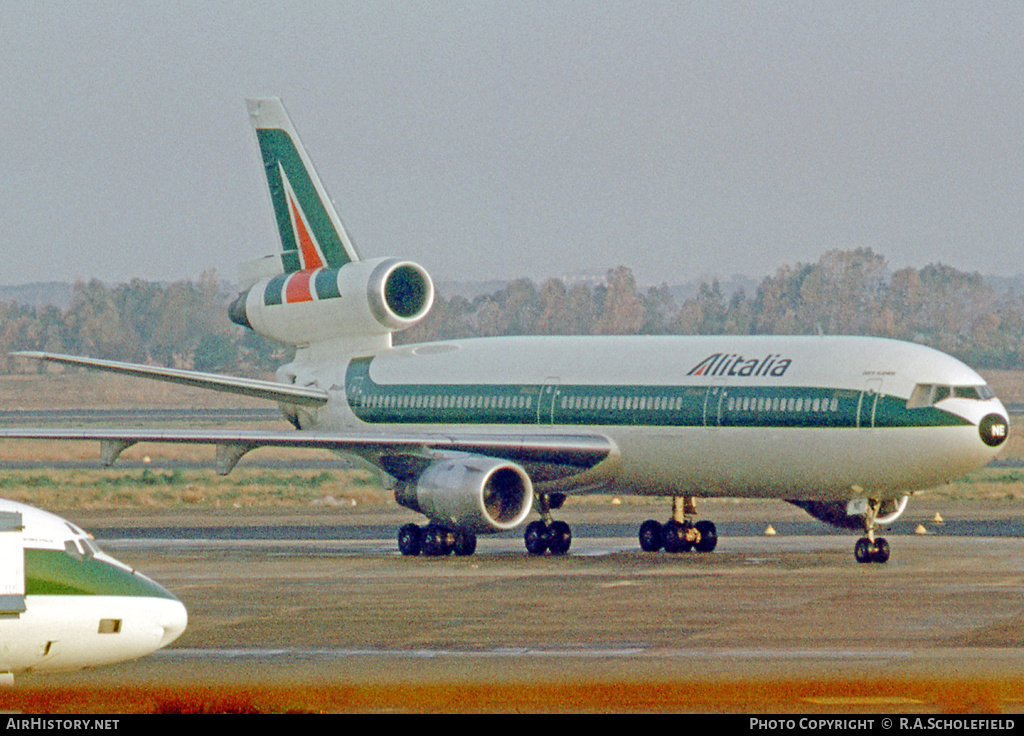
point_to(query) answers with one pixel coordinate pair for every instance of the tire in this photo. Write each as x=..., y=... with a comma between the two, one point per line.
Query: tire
x=559, y=538
x=862, y=550
x=434, y=541
x=536, y=538
x=673, y=537
x=708, y=537
x=465, y=544
x=410, y=540
x=881, y=552
x=650, y=536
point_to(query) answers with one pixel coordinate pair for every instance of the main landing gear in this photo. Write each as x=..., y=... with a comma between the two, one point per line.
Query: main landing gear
x=548, y=535
x=679, y=534
x=434, y=540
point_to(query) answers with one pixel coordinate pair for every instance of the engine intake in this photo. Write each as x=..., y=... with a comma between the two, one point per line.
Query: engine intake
x=471, y=493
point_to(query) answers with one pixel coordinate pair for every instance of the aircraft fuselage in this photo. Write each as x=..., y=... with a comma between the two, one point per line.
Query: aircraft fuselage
x=826, y=418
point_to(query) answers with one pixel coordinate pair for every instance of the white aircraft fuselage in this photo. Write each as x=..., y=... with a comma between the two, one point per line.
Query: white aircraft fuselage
x=68, y=605
x=823, y=418
x=476, y=434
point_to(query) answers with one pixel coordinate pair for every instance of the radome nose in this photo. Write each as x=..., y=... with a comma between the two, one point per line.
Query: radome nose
x=994, y=429
x=173, y=622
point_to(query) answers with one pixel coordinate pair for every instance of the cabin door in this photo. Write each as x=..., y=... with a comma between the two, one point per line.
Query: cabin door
x=547, y=400
x=868, y=402
x=714, y=403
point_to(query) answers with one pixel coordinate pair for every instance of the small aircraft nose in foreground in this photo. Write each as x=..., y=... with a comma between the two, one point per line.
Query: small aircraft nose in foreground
x=67, y=605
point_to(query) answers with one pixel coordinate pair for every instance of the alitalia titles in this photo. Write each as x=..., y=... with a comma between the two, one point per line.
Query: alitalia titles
x=733, y=364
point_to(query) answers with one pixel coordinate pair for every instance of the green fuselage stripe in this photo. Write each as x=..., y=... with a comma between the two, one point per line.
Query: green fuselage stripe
x=561, y=404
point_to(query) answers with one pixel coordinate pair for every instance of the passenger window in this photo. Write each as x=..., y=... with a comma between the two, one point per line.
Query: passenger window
x=940, y=393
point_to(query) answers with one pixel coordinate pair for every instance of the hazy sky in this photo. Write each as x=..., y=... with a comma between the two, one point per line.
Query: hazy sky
x=502, y=139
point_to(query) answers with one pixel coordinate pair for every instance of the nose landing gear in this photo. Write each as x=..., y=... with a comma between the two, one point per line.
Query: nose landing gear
x=870, y=548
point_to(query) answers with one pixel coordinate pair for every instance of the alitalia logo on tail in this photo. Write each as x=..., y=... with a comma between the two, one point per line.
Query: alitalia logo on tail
x=311, y=235
x=311, y=256
x=733, y=364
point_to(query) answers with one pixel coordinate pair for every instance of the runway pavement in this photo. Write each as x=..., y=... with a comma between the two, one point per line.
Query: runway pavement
x=763, y=623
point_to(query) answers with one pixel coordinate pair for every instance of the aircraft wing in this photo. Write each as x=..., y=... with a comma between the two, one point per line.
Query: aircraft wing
x=301, y=395
x=402, y=455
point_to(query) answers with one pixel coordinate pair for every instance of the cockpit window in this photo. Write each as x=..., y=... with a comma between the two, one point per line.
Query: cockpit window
x=89, y=548
x=79, y=548
x=929, y=394
x=72, y=549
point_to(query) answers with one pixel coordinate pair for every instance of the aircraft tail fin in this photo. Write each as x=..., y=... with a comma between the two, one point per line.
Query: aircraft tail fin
x=312, y=235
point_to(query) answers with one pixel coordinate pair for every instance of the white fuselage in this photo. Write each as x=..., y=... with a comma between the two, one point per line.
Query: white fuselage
x=67, y=604
x=64, y=632
x=782, y=417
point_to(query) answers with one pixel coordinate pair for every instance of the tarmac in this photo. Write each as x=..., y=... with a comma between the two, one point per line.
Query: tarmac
x=784, y=623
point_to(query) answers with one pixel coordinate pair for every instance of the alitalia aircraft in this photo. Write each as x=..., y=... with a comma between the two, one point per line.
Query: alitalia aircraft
x=478, y=434
x=65, y=604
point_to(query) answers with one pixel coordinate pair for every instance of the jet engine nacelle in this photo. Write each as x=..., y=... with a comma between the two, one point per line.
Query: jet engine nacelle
x=840, y=514
x=361, y=298
x=471, y=493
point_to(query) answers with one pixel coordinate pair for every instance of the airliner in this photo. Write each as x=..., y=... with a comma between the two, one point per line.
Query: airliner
x=65, y=604
x=479, y=434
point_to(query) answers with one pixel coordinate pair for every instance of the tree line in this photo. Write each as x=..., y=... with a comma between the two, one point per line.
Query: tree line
x=851, y=292
x=182, y=324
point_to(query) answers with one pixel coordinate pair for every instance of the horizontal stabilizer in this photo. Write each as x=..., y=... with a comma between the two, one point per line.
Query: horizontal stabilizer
x=300, y=395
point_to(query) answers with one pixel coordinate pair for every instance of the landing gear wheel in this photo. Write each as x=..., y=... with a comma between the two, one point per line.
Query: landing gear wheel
x=410, y=540
x=436, y=541
x=675, y=537
x=708, y=537
x=536, y=537
x=862, y=550
x=867, y=551
x=870, y=548
x=559, y=538
x=881, y=555
x=650, y=536
x=465, y=544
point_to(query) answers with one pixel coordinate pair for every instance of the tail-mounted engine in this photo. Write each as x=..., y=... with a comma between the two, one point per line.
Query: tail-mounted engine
x=471, y=493
x=361, y=298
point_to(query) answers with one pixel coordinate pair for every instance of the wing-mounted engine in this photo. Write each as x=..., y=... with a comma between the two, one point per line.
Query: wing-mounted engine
x=360, y=299
x=471, y=493
x=852, y=514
